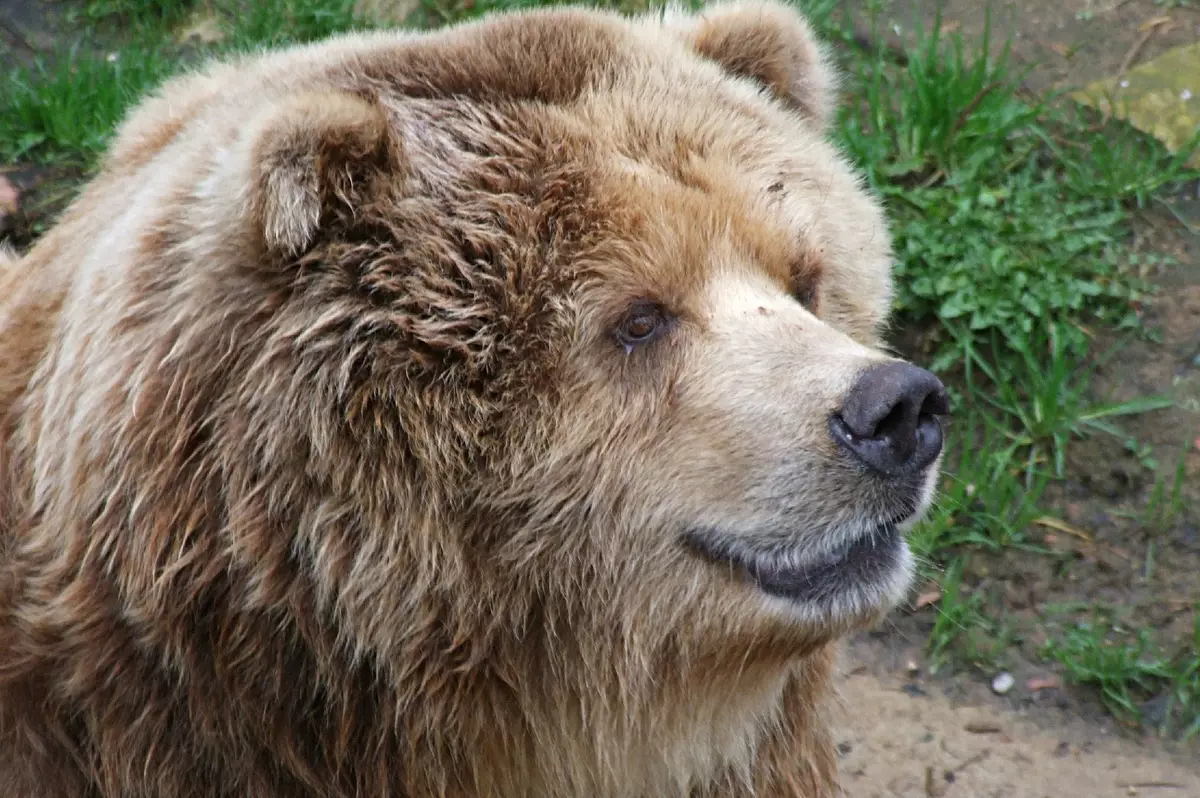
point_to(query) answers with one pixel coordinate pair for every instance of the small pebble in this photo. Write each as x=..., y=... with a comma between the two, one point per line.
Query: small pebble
x=1003, y=682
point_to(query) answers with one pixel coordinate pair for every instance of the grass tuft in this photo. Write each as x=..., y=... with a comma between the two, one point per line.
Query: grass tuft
x=1130, y=674
x=256, y=24
x=946, y=110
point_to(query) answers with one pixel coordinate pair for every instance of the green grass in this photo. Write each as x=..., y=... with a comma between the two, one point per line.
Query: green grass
x=1013, y=221
x=252, y=24
x=1166, y=500
x=999, y=227
x=1017, y=416
x=1041, y=399
x=67, y=110
x=1126, y=668
x=963, y=632
x=139, y=13
x=1013, y=217
x=1113, y=160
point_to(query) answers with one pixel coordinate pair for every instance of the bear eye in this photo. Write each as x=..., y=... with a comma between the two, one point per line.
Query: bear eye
x=805, y=281
x=643, y=322
x=806, y=277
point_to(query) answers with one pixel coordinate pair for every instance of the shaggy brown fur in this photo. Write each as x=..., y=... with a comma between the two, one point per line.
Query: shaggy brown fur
x=353, y=419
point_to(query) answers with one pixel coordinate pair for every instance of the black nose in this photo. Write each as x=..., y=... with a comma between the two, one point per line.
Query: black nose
x=889, y=420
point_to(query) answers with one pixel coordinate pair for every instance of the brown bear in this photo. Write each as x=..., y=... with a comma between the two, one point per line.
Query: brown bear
x=497, y=411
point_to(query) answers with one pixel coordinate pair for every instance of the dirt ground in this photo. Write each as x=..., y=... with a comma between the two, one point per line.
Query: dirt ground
x=900, y=738
x=905, y=732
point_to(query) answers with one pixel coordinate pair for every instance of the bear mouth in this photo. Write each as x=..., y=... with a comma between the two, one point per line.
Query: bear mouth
x=868, y=560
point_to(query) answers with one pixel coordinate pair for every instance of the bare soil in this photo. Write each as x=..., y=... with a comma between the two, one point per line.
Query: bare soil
x=904, y=737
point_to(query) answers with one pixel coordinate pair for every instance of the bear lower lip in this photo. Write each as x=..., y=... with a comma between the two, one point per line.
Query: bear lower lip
x=865, y=561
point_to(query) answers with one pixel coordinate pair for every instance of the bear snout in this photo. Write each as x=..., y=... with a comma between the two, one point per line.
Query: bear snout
x=890, y=421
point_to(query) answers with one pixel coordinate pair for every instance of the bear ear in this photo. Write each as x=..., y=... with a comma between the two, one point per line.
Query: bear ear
x=309, y=151
x=769, y=42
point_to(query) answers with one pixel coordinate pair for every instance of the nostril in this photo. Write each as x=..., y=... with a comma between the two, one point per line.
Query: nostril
x=892, y=423
x=936, y=403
